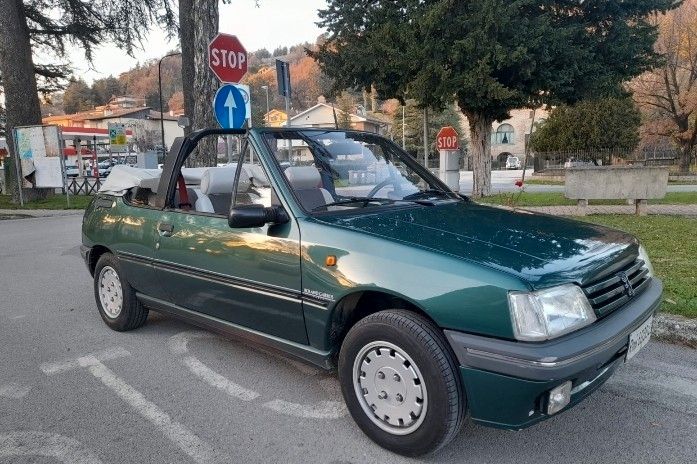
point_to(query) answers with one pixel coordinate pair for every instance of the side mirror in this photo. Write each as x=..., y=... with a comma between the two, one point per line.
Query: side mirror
x=245, y=216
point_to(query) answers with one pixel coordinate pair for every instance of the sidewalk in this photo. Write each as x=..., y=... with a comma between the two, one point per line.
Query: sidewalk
x=675, y=210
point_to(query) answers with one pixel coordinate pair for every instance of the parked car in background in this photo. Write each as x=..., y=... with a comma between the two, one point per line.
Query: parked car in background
x=71, y=170
x=513, y=162
x=431, y=307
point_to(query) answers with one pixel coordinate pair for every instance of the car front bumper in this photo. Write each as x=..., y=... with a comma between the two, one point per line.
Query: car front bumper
x=507, y=382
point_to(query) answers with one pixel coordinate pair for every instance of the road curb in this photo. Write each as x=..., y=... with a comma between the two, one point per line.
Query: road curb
x=38, y=213
x=675, y=329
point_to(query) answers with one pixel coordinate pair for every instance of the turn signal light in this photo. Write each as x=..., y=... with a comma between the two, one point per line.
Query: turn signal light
x=330, y=260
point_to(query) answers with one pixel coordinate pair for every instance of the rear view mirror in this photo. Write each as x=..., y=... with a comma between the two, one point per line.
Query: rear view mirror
x=245, y=216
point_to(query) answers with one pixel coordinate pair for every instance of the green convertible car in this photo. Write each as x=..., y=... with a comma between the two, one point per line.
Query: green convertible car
x=336, y=247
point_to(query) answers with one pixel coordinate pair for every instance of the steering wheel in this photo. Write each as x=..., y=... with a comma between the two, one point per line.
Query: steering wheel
x=383, y=184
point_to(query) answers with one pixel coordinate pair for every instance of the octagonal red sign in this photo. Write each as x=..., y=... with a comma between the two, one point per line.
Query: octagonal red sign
x=227, y=58
x=447, y=139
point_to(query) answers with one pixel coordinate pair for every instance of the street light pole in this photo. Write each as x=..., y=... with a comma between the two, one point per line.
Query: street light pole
x=266, y=87
x=159, y=84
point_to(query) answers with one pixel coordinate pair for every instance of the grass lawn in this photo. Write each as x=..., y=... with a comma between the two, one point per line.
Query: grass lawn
x=543, y=182
x=557, y=198
x=52, y=202
x=671, y=242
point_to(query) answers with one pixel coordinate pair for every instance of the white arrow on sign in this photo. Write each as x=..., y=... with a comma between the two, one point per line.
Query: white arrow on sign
x=230, y=105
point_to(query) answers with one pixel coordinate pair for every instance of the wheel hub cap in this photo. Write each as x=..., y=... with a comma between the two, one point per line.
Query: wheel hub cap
x=110, y=292
x=390, y=388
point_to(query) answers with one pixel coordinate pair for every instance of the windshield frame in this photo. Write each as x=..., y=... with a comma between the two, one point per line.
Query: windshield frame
x=304, y=133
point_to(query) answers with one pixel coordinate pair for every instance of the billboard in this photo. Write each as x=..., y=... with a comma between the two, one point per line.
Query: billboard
x=39, y=152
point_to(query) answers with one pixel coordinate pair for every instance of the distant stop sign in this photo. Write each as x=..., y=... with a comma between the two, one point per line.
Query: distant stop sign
x=447, y=139
x=227, y=58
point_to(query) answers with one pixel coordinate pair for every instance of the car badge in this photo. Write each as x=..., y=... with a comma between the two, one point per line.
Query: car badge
x=628, y=289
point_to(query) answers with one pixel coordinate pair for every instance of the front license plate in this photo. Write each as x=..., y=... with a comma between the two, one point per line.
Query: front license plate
x=639, y=338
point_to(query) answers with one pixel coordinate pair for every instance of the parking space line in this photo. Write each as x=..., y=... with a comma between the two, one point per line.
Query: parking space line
x=178, y=344
x=14, y=391
x=185, y=440
x=220, y=382
x=35, y=444
x=320, y=410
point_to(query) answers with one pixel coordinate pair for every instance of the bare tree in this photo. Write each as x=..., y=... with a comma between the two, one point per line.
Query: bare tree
x=667, y=94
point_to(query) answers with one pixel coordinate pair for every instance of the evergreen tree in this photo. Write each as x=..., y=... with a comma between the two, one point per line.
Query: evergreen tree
x=78, y=96
x=29, y=27
x=605, y=124
x=491, y=55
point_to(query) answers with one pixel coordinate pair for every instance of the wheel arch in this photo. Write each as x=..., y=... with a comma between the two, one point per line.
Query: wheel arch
x=355, y=306
x=95, y=253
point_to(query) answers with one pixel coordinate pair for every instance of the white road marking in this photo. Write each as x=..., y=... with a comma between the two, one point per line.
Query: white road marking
x=185, y=440
x=64, y=366
x=14, y=391
x=320, y=410
x=178, y=344
x=220, y=382
x=35, y=444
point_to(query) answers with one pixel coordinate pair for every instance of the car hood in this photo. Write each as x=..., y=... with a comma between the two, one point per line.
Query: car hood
x=544, y=250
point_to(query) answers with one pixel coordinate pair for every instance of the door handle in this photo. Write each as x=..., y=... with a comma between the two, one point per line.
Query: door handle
x=165, y=229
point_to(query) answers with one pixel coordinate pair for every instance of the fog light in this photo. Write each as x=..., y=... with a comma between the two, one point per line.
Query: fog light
x=559, y=397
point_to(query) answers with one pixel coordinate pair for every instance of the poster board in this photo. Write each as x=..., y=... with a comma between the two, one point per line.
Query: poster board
x=117, y=137
x=39, y=150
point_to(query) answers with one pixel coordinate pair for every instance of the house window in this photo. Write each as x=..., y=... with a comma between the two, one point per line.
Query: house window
x=504, y=135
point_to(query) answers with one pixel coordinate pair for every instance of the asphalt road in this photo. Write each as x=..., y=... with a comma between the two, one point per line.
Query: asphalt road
x=73, y=391
x=504, y=181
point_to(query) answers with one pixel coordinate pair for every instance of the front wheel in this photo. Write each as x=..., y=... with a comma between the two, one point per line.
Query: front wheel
x=400, y=382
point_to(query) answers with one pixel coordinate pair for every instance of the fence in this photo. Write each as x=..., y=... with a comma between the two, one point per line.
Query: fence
x=84, y=185
x=559, y=160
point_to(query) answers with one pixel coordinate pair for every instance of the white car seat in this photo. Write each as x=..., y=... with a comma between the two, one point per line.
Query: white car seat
x=306, y=182
x=215, y=194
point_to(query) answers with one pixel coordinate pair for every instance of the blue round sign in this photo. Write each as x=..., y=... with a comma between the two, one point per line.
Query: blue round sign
x=230, y=108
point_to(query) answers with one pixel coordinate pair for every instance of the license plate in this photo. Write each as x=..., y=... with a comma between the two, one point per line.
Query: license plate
x=639, y=338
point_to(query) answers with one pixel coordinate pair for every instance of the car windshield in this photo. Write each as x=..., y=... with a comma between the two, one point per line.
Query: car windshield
x=337, y=170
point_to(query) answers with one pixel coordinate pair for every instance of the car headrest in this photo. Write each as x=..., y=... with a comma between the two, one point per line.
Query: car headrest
x=303, y=177
x=219, y=180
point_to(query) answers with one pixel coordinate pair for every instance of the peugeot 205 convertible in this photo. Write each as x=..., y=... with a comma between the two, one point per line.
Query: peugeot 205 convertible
x=338, y=248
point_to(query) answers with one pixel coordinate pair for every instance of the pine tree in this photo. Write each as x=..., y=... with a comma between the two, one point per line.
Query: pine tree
x=492, y=56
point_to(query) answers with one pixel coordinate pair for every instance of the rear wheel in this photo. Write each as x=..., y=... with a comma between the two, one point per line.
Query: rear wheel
x=116, y=299
x=400, y=382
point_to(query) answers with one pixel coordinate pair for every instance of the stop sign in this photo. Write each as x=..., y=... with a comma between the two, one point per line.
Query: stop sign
x=227, y=58
x=447, y=139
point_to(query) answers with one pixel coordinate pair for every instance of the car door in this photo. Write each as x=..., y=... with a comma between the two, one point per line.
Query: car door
x=248, y=276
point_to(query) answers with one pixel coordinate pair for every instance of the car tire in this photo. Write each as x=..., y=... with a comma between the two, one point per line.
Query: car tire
x=116, y=299
x=412, y=347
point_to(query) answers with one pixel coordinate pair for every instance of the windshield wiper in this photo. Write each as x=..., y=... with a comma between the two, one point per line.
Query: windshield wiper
x=350, y=200
x=427, y=193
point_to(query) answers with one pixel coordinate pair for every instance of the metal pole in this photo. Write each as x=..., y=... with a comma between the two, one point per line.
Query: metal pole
x=266, y=87
x=404, y=145
x=426, y=137
x=159, y=84
x=64, y=174
x=18, y=167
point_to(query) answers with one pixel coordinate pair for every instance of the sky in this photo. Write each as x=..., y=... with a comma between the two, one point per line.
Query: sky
x=275, y=23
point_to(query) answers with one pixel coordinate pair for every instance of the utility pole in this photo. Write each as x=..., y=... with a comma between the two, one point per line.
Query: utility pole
x=404, y=145
x=426, y=137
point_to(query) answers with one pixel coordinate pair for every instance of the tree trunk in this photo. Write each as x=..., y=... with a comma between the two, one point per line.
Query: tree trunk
x=685, y=158
x=186, y=42
x=205, y=22
x=480, y=135
x=22, y=105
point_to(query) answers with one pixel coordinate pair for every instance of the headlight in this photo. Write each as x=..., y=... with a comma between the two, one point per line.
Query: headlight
x=549, y=313
x=643, y=255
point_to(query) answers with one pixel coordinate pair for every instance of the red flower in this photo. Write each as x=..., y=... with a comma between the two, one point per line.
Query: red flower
x=519, y=183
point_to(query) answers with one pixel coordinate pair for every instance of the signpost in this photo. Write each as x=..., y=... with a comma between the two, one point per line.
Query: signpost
x=117, y=137
x=447, y=139
x=230, y=108
x=227, y=58
x=448, y=148
x=283, y=79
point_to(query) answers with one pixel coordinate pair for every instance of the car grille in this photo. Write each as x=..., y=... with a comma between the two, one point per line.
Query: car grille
x=610, y=293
